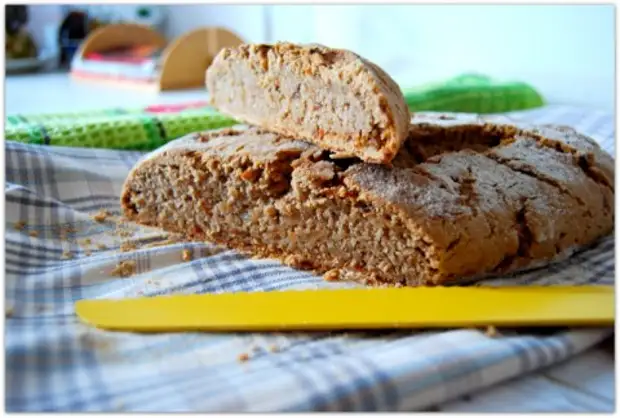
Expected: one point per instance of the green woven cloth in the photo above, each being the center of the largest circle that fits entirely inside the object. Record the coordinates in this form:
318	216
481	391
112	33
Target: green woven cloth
149	128
128	129
473	93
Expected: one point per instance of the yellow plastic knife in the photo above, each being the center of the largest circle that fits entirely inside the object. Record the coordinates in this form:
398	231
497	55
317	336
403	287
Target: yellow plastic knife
424	307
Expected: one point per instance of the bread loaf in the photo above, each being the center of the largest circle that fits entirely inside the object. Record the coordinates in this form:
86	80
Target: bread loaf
464	198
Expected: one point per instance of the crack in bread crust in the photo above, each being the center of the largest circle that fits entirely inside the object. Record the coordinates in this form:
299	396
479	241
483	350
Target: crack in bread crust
528	171
469	207
596	164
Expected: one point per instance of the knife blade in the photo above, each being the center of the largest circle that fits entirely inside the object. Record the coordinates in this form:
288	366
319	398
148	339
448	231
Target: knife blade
357	308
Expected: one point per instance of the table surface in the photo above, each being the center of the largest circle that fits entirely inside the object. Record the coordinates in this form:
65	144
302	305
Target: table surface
58	93
585	383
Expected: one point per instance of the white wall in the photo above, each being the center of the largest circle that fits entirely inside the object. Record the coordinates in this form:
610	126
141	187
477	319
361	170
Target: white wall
292	23
565	51
248	21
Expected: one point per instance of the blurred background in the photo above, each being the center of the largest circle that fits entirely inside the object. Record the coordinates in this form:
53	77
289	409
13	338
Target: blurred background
566	53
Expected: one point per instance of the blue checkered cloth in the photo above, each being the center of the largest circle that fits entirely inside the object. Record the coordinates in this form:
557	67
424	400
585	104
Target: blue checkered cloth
54	363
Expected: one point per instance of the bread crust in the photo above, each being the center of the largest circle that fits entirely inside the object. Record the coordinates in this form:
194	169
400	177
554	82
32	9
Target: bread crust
331	97
466	197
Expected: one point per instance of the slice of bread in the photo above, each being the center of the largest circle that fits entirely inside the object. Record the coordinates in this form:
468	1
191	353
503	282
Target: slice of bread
330	97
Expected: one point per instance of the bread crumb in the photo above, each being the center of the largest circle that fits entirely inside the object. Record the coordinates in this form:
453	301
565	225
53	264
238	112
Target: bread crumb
243	357
86	241
122	228
332	275
297	261
101	246
124	268
124	232
274	348
100	216
62	234
127	246
187	255
33	233
88	253
19	225
66	255
491	331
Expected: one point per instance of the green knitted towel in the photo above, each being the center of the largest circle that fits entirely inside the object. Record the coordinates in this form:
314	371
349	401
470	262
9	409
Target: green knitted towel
128	129
149	128
473	93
